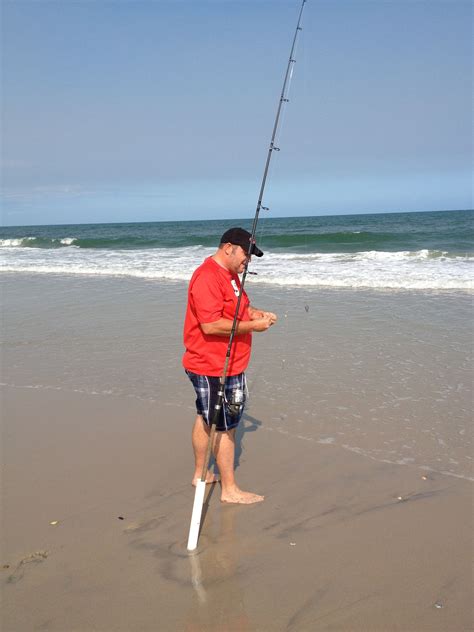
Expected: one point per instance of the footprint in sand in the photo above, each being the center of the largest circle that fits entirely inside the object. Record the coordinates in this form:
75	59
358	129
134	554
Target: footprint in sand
144	526
18	573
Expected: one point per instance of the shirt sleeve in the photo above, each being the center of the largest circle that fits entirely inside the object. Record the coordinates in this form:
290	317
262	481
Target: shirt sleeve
208	299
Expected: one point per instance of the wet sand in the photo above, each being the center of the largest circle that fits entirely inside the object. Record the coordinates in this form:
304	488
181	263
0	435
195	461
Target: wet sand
345	540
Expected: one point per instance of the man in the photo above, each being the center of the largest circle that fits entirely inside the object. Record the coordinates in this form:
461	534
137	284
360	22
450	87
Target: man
212	301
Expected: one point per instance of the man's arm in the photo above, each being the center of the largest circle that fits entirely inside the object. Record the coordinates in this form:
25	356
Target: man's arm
223	326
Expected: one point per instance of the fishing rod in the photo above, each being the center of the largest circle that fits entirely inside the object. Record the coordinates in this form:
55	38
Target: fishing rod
201	484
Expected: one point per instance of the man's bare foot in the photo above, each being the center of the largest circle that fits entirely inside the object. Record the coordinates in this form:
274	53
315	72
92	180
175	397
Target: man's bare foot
237	496
210	478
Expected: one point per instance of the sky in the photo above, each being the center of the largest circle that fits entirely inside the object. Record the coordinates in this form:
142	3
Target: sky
149	110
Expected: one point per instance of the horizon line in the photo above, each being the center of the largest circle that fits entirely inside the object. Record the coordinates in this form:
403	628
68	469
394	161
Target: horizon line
173	221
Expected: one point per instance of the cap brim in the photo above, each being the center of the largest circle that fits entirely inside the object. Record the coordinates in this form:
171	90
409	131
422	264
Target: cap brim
256	252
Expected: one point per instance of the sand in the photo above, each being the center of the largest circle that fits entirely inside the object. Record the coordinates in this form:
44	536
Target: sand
353	535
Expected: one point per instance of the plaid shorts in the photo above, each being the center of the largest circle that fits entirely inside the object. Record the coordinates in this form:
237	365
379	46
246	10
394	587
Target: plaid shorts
207	387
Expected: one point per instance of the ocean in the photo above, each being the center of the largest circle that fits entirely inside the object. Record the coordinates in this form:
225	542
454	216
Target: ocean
371	352
431	251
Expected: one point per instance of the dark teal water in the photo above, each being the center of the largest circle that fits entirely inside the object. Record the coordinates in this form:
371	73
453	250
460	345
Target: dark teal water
450	232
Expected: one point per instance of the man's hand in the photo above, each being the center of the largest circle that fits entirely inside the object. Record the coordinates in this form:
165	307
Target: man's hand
273	317
258	314
262	324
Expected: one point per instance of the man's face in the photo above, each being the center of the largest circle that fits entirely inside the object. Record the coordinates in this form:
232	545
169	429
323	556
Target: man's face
236	259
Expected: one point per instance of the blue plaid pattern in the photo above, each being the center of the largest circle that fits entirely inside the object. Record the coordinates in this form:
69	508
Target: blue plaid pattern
206	388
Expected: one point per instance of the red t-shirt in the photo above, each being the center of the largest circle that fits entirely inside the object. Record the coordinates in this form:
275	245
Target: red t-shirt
212	295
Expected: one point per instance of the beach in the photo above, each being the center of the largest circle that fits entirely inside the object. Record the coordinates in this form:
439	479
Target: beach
330	137
357	431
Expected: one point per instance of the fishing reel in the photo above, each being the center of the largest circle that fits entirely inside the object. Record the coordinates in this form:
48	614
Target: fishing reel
236	402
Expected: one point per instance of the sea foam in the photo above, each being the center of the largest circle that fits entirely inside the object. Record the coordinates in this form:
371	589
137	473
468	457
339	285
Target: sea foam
413	270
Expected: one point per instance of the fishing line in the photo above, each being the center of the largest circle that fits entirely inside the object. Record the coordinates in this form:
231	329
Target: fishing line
279	167
275	167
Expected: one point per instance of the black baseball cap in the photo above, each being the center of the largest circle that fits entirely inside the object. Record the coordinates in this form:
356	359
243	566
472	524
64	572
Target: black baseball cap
241	237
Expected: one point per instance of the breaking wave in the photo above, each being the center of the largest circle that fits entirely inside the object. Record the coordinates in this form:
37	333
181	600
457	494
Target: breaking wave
412	270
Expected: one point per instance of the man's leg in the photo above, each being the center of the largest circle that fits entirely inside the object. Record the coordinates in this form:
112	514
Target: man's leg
200	439
224	450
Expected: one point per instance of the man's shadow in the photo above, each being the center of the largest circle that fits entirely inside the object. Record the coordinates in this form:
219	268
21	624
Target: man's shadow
247	424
